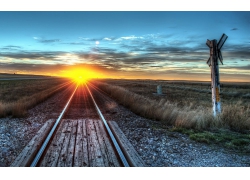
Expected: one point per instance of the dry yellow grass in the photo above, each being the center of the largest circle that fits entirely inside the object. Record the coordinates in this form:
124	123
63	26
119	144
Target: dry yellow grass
236	116
19	107
232	117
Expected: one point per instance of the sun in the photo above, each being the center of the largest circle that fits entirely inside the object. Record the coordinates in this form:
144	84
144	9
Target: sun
80	75
80	79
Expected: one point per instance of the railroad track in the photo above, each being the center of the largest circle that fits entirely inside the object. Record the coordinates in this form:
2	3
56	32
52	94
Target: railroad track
80	137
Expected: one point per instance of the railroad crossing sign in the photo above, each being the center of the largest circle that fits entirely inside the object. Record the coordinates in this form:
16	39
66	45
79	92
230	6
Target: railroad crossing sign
215	53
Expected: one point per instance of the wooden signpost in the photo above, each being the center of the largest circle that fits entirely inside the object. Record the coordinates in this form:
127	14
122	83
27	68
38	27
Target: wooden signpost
215	53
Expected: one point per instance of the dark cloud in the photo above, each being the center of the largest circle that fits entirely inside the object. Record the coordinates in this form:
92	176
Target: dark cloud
234	29
165	49
243	54
110	56
132	48
247	67
113	58
51	68
10	48
103	54
155	66
30	67
32	55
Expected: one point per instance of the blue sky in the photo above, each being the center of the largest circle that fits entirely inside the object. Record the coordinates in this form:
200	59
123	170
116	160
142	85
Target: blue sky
125	44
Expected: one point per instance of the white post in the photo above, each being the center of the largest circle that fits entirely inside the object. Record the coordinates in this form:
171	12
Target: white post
215	53
215	81
159	90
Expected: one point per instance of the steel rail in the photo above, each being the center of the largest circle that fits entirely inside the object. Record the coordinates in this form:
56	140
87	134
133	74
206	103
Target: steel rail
118	149
40	152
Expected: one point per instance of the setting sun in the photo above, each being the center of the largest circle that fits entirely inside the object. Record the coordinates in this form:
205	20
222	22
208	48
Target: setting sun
81	75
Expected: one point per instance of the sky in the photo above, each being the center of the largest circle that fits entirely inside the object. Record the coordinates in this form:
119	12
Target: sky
124	44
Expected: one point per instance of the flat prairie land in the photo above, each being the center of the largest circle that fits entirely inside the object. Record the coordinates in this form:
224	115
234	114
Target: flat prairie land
184	103
188	93
186	107
18	95
5	76
13	90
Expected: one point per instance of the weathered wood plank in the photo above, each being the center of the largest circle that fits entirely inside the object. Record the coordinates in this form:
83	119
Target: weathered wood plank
71	148
51	157
26	157
81	148
101	142
95	155
63	153
78	158
85	145
112	158
129	152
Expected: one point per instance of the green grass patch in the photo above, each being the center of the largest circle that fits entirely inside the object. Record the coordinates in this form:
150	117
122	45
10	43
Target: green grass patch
225	138
185	130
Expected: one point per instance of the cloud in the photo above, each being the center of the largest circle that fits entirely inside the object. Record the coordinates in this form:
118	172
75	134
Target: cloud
42	55
91	39
75	43
247	67
83	38
44	40
155	66
236	54
54	69
107	39
152	53
29	67
128	38
142	53
49	40
234	29
10	48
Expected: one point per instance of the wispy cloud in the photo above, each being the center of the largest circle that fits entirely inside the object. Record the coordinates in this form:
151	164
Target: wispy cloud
83	38
75	43
10	48
132	37
90	39
44	40
107	39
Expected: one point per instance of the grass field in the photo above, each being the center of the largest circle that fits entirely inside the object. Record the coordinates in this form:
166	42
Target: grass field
187	108
186	93
17	96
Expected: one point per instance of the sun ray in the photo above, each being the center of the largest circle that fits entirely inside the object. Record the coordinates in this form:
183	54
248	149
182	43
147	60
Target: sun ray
80	75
